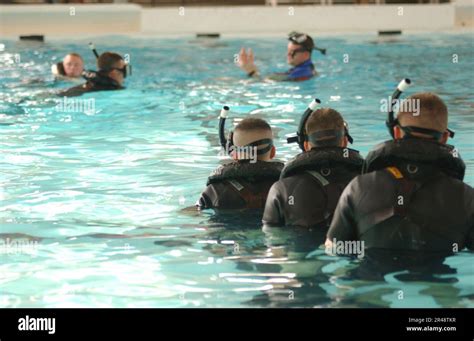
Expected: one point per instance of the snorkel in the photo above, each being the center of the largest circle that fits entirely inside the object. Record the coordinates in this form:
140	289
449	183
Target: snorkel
222	117
300	137
228	144
392	121
92	47
303	39
323	51
127	70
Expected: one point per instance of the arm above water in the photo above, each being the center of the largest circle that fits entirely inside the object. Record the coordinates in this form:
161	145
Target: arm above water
246	63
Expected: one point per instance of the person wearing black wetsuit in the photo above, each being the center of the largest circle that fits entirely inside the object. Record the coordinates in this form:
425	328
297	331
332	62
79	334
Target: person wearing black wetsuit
245	182
411	196
311	183
111	75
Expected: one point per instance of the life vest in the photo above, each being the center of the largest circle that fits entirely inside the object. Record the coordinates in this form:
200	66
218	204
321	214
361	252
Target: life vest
412	163
331	167
241	175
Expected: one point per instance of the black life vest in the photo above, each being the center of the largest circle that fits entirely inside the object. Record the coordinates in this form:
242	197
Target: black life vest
332	168
412	163
241	175
416	152
100	81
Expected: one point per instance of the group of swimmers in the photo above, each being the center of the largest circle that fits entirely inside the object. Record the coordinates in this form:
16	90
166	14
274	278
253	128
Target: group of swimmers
111	73
113	69
407	194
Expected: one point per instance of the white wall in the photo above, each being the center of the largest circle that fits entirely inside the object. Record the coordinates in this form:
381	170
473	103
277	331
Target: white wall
57	19
350	18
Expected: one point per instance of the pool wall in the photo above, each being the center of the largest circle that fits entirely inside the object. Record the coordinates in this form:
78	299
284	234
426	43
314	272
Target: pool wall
78	19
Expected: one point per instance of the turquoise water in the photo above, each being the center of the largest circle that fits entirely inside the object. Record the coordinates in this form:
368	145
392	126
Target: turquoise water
92	201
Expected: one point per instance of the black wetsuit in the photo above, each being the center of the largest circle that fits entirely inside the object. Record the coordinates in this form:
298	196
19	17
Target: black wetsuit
239	185
96	81
412	197
310	186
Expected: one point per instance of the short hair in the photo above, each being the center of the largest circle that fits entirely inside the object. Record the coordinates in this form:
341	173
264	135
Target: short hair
307	44
253	124
432	112
324	119
77	55
108	60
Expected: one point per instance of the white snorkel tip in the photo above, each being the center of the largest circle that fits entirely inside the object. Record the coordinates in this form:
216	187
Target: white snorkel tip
314	104
224	112
404	84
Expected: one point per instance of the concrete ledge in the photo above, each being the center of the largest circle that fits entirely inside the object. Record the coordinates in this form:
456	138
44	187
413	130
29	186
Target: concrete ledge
305	18
106	19
58	19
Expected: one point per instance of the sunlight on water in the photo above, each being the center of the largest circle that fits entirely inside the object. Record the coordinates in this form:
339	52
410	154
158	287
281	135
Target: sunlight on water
92	199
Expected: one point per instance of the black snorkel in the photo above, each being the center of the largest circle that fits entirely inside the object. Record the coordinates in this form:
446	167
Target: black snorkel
228	144
92	47
300	137
323	51
392	121
127	69
222	117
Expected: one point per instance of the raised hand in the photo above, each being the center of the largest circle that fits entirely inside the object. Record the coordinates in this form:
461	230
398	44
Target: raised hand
246	61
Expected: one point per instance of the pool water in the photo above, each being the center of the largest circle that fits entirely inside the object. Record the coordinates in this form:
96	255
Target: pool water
92	200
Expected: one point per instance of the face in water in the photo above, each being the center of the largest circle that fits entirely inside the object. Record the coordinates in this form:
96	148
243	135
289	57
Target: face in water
73	66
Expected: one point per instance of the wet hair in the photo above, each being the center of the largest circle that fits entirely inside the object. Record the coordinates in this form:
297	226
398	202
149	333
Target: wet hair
253	124
108	60
325	119
251	130
433	113
77	55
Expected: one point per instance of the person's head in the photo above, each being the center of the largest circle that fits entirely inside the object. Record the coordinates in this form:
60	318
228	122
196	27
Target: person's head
325	127
423	110
250	130
73	65
113	65
299	48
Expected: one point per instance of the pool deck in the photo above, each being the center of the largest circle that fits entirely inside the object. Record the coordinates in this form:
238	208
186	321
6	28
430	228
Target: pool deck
77	20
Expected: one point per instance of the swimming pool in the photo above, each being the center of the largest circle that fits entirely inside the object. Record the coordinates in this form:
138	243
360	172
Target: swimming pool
92	200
